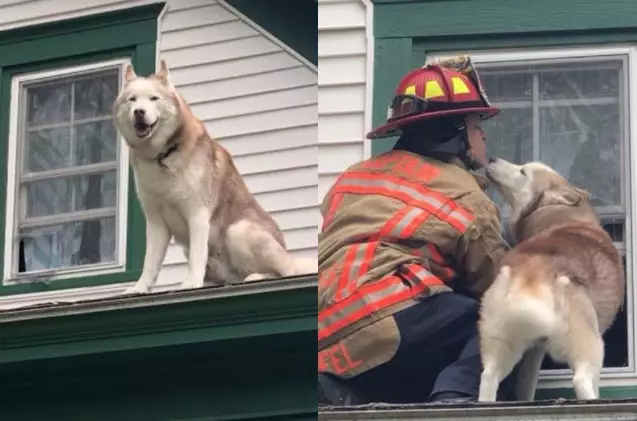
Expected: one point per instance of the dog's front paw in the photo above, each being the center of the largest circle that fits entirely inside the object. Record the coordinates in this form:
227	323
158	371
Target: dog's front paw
137	289
188	284
257	277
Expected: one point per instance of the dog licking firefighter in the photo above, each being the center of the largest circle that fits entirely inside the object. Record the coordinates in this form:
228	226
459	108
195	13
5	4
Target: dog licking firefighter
557	291
411	245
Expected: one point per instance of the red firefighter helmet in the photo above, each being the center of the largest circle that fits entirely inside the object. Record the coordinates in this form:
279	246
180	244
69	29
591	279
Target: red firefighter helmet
446	88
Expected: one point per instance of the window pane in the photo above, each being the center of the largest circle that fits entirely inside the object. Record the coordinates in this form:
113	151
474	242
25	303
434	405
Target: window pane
507	86
94	96
50	103
48	149
571	82
510	136
95	143
68	245
578	110
68	194
584	144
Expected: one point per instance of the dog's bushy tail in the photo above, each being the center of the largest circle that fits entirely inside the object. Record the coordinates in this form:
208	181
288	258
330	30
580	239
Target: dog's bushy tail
306	266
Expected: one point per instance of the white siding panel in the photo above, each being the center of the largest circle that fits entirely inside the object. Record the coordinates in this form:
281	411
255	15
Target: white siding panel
260	102
338	157
206	34
255	97
253	87
343	64
255	123
273	140
282	179
342	127
342	99
178	20
350	14
341	43
197	73
332	70
220	51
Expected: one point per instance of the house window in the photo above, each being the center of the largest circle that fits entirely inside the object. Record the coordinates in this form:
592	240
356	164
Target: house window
70	173
570	110
71	217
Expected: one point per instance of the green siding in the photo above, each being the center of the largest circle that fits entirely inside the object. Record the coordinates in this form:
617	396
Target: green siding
129	33
405	31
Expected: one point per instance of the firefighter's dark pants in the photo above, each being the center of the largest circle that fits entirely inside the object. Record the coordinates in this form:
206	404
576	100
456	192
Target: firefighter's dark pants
438	352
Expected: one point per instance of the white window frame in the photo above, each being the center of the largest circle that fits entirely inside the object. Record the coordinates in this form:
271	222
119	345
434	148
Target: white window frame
18	85
611	376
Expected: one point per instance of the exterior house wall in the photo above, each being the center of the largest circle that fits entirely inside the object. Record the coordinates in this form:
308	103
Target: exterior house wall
345	52
256	97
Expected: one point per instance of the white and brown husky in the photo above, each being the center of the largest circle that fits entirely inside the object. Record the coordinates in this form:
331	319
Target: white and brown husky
189	188
556	292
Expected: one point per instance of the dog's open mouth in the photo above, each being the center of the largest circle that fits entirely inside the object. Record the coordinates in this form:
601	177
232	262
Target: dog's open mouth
142	129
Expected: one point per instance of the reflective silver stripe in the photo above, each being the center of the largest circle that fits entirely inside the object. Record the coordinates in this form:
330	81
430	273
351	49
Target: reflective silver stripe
406	220
356	263
372	298
438	205
341	314
460	217
393	186
423	274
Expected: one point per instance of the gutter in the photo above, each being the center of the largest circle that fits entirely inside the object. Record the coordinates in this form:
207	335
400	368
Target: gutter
57	309
553	410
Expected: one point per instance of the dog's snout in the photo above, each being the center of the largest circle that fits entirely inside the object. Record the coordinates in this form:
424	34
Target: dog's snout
492	159
139	113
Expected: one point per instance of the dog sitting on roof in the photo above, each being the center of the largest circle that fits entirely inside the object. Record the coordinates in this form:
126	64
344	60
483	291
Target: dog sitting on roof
189	189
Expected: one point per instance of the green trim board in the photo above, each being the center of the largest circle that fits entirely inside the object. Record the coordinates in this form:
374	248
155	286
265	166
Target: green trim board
462	25
231	353
129	33
212	314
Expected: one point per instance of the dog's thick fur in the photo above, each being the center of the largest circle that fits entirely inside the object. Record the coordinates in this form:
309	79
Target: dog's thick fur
557	291
189	188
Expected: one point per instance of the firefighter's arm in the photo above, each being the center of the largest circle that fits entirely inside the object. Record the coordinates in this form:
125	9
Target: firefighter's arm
481	247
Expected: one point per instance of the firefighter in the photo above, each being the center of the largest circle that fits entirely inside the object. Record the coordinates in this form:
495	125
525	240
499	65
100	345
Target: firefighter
410	241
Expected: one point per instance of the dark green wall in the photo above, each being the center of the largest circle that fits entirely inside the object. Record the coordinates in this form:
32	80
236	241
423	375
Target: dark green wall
260	378
294	22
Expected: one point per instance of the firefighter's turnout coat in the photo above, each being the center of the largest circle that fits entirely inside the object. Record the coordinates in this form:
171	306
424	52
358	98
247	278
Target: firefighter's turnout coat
397	228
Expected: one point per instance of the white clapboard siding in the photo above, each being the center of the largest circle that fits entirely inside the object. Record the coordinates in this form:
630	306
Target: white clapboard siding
343	86
258	99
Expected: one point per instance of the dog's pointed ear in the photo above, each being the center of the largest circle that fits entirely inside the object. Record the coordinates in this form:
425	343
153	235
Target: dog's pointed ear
129	73
163	72
567	195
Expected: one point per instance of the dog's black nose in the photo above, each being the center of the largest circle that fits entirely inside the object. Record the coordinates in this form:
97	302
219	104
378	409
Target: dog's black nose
492	159
139	112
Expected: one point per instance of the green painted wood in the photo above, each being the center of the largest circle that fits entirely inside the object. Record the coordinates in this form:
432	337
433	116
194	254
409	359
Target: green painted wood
392	59
130	33
221	319
298	32
474	17
263	378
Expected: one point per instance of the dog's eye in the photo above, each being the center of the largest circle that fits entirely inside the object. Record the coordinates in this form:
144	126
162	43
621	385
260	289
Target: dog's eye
522	171
132	99
154	98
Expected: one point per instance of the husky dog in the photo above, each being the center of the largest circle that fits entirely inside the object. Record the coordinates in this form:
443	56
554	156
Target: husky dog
556	292
189	189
